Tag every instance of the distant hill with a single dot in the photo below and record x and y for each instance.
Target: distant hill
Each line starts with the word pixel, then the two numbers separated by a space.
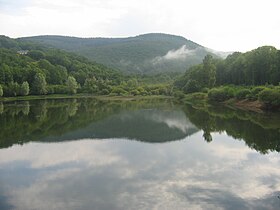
pixel 21 61
pixel 148 53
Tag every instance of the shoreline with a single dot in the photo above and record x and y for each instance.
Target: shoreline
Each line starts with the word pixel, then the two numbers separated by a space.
pixel 99 97
pixel 201 100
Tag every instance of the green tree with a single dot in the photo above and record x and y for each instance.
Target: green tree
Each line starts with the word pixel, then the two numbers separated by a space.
pixel 90 85
pixel 209 71
pixel 191 87
pixel 24 89
pixel 1 91
pixel 39 86
pixel 36 54
pixel 13 89
pixel 72 85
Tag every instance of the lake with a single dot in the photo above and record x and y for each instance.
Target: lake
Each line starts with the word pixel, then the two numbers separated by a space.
pixel 146 154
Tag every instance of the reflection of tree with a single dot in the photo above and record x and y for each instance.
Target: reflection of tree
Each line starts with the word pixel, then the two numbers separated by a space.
pixel 35 120
pixel 259 131
pixel 26 108
pixel 40 110
pixel 72 107
pixel 1 108
pixel 207 136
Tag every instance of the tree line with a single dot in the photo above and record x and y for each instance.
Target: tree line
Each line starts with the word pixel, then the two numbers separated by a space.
pixel 42 70
pixel 257 67
pixel 254 75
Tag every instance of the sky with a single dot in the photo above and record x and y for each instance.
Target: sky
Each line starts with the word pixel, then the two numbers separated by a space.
pixel 225 25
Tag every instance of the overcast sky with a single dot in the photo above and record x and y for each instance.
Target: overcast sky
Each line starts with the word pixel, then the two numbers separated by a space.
pixel 227 25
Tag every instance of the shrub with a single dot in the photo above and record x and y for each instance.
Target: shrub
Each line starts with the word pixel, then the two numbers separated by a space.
pixel 118 91
pixel 199 96
pixel 135 92
pixel 270 97
pixel 57 89
pixel 257 90
pixel 242 94
pixel 221 94
pixel 205 90
pixel 105 92
pixel 191 87
pixel 179 94
pixel 255 93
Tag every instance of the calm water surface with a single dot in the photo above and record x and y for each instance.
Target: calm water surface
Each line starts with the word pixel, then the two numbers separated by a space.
pixel 152 154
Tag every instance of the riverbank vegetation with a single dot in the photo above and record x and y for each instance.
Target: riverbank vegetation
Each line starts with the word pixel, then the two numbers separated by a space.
pixel 250 76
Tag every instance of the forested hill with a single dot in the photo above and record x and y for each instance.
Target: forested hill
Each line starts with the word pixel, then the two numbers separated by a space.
pixel 149 53
pixel 257 67
pixel 35 65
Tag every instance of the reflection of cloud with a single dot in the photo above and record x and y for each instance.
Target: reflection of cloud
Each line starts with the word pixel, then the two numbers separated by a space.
pixel 174 119
pixel 52 155
pixel 180 54
pixel 121 174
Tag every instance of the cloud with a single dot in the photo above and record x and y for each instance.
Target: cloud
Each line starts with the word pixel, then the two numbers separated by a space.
pixel 219 53
pixel 13 7
pixel 176 54
pixel 215 25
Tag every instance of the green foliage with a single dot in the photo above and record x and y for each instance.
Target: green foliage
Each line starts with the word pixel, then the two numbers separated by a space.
pixel 209 71
pixel 118 91
pixel 221 94
pixel 24 89
pixel 72 85
pixel 191 87
pixel 12 89
pixel 257 90
pixel 140 54
pixel 242 94
pixel 198 77
pixel 1 91
pixel 90 85
pixel 36 54
pixel 257 67
pixel 57 89
pixel 179 94
pixel 39 86
pixel 270 97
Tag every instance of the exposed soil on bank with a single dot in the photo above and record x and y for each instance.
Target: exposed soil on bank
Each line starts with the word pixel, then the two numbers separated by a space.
pixel 255 106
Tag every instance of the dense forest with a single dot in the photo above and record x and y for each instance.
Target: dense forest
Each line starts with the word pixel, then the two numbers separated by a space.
pixel 254 75
pixel 257 67
pixel 28 68
pixel 32 68
pixel 146 54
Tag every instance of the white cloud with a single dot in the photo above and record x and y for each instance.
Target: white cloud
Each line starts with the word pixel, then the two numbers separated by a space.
pixel 179 54
pixel 220 25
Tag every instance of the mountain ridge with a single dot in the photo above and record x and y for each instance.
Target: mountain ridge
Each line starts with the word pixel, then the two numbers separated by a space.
pixel 135 54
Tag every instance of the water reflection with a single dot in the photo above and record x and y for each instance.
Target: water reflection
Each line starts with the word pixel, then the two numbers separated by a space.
pixel 131 175
pixel 226 159
pixel 259 131
pixel 58 120
pixel 150 121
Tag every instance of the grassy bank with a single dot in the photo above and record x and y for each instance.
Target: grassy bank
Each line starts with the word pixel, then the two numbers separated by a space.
pixel 65 96
pixel 256 98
